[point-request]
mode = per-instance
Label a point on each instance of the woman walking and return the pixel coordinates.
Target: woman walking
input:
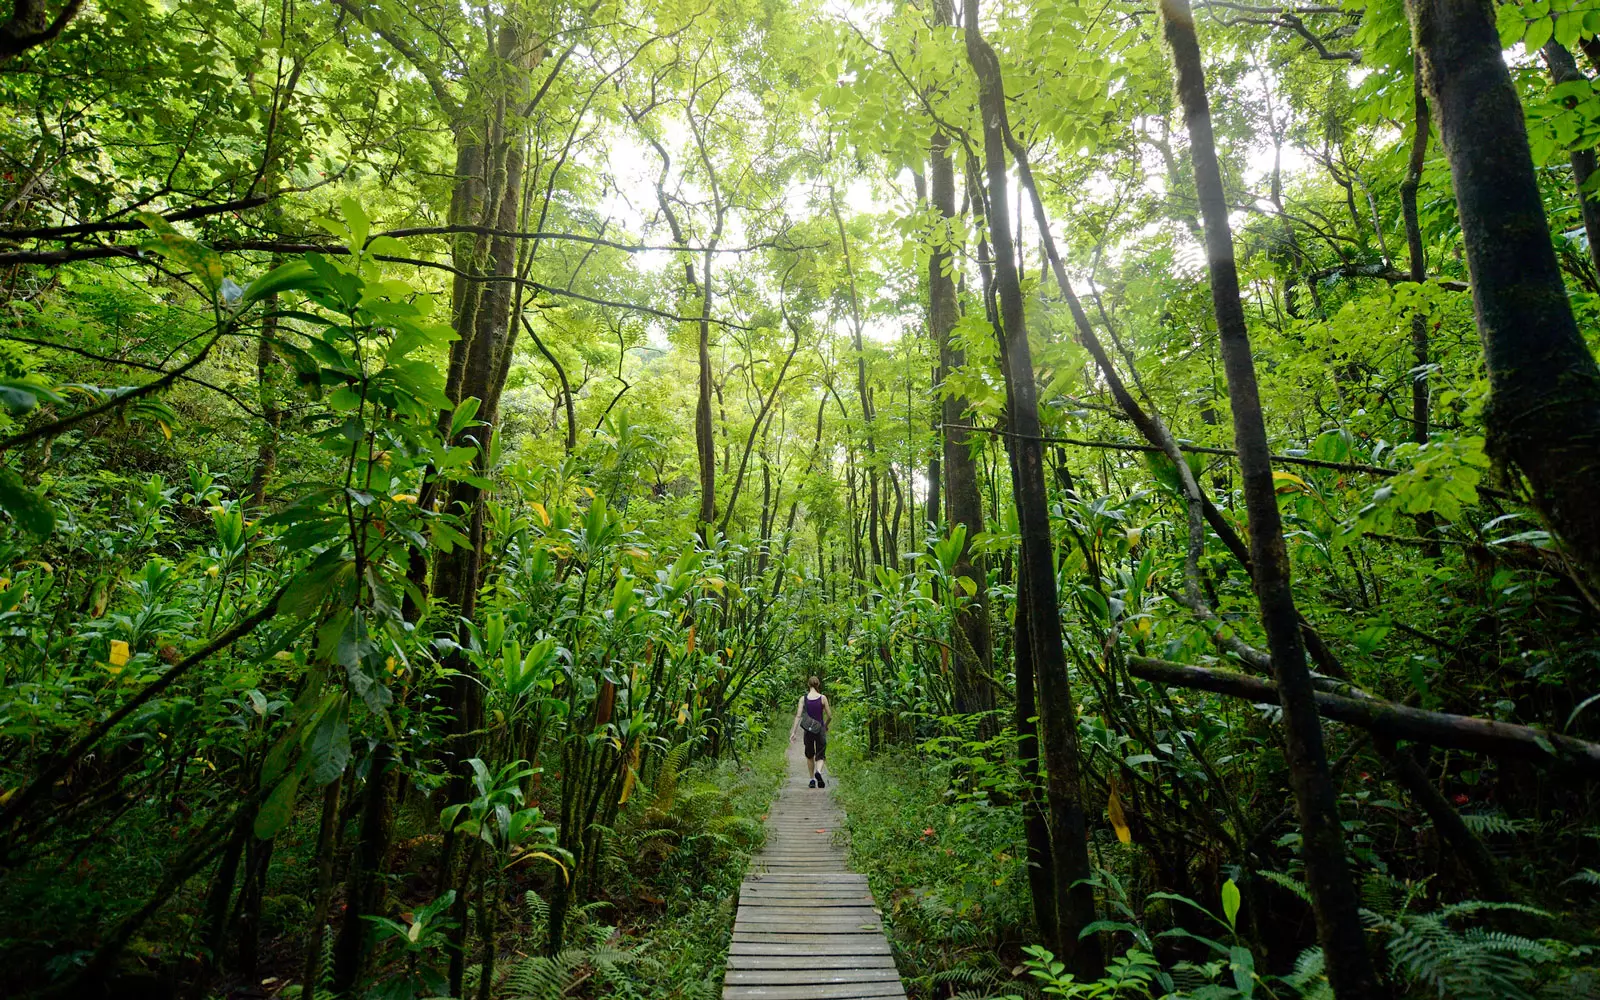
(813, 715)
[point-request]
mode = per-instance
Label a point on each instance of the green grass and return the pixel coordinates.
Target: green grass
(947, 867)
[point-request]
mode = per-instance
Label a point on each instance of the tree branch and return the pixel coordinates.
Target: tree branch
(1390, 719)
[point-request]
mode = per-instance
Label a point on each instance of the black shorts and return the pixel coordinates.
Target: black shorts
(816, 745)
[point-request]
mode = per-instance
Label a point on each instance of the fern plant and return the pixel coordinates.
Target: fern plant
(1470, 963)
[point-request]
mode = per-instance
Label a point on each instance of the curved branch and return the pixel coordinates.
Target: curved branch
(65, 424)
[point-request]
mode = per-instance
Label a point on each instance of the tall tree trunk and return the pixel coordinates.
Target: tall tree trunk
(1564, 69)
(1543, 416)
(704, 438)
(1057, 713)
(271, 409)
(862, 388)
(932, 513)
(1334, 900)
(1041, 867)
(364, 889)
(974, 655)
(1418, 259)
(493, 186)
(327, 834)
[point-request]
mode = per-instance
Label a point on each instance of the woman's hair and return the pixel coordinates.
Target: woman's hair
(815, 682)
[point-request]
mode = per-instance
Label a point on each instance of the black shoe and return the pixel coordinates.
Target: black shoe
(820, 782)
(813, 783)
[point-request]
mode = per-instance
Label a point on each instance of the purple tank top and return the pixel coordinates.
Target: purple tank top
(814, 707)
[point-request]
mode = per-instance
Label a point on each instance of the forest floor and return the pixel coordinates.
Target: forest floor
(944, 867)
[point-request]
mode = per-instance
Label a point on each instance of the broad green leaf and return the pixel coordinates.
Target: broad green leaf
(1538, 33)
(200, 260)
(329, 748)
(278, 809)
(1230, 902)
(296, 275)
(30, 511)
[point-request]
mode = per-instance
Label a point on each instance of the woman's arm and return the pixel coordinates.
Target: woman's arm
(794, 727)
(827, 713)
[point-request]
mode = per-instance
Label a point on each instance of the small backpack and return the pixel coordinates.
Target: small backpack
(810, 723)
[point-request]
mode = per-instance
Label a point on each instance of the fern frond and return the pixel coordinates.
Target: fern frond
(965, 976)
(1588, 877)
(1289, 882)
(544, 977)
(1494, 823)
(1474, 964)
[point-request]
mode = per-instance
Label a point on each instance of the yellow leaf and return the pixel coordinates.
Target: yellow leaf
(404, 498)
(689, 647)
(633, 774)
(119, 653)
(1288, 482)
(165, 430)
(544, 515)
(1119, 822)
(683, 714)
(525, 855)
(1134, 534)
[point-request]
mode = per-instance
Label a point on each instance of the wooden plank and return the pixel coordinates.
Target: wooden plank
(810, 960)
(809, 916)
(774, 890)
(813, 878)
(820, 940)
(802, 977)
(854, 947)
(782, 925)
(749, 901)
(836, 991)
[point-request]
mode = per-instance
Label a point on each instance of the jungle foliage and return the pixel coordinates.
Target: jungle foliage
(437, 440)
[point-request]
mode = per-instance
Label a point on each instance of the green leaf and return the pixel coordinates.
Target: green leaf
(1538, 33)
(356, 217)
(29, 510)
(1230, 902)
(329, 747)
(1510, 24)
(461, 419)
(1243, 964)
(387, 246)
(1568, 27)
(201, 261)
(278, 758)
(19, 395)
(296, 275)
(278, 809)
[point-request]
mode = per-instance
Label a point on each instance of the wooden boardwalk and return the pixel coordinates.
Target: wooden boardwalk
(807, 926)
